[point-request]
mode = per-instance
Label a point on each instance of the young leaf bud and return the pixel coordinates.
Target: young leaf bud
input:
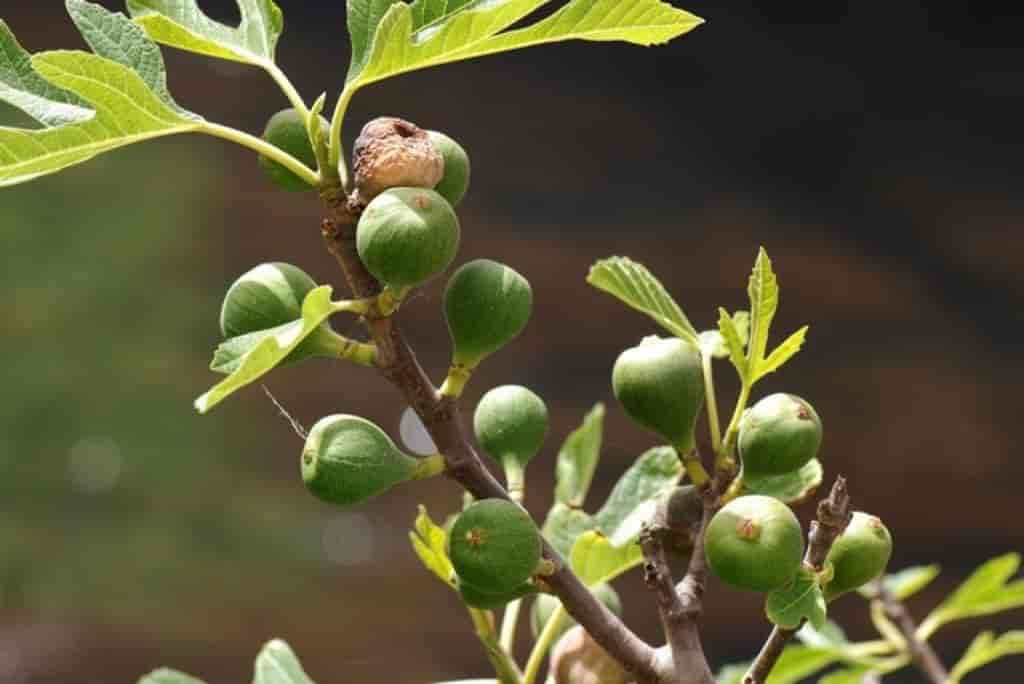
(754, 542)
(391, 153)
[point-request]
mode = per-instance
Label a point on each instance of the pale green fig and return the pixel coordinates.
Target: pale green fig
(455, 182)
(859, 555)
(755, 543)
(660, 384)
(487, 305)
(494, 546)
(510, 423)
(545, 604)
(578, 659)
(778, 435)
(407, 235)
(287, 130)
(348, 459)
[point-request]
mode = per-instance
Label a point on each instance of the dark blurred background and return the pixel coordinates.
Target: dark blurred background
(874, 150)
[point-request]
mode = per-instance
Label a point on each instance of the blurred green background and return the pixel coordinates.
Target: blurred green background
(882, 179)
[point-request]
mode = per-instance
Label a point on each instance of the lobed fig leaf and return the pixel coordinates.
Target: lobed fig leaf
(859, 555)
(487, 305)
(494, 545)
(660, 384)
(348, 459)
(755, 543)
(287, 130)
(779, 434)
(511, 423)
(407, 235)
(455, 181)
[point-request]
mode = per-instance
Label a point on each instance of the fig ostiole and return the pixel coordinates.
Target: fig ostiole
(407, 235)
(859, 555)
(455, 181)
(510, 423)
(486, 305)
(544, 606)
(391, 153)
(287, 131)
(494, 546)
(660, 384)
(347, 459)
(755, 543)
(779, 434)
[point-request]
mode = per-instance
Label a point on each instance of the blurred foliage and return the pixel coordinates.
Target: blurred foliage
(118, 501)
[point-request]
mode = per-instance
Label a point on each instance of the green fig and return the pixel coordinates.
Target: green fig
(407, 235)
(779, 435)
(510, 423)
(545, 604)
(859, 555)
(348, 459)
(578, 659)
(660, 384)
(287, 130)
(754, 542)
(494, 545)
(487, 305)
(477, 598)
(455, 182)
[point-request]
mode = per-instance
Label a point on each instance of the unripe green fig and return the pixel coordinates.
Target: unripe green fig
(264, 297)
(288, 131)
(578, 659)
(510, 423)
(455, 182)
(660, 384)
(859, 555)
(487, 305)
(545, 604)
(494, 546)
(407, 235)
(477, 598)
(348, 459)
(391, 153)
(754, 542)
(778, 435)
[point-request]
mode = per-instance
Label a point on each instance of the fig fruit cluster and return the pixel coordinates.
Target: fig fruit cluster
(287, 131)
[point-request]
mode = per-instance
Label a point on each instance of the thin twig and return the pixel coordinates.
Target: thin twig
(442, 419)
(921, 652)
(296, 425)
(833, 516)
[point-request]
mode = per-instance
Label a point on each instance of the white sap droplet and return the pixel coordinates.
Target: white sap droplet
(348, 539)
(94, 465)
(414, 434)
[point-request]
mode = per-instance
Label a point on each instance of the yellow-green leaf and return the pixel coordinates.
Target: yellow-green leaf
(429, 543)
(595, 560)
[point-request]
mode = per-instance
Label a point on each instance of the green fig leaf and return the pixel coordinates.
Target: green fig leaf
(595, 560)
(783, 353)
(270, 352)
(166, 676)
(406, 38)
(277, 664)
(22, 87)
(907, 582)
(564, 525)
(181, 24)
(114, 36)
(730, 332)
(126, 111)
(231, 352)
(577, 459)
(987, 591)
(854, 676)
(986, 648)
(795, 665)
(763, 290)
(429, 542)
(791, 488)
(634, 285)
(801, 599)
(827, 635)
(634, 497)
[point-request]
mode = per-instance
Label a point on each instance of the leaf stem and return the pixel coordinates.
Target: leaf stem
(262, 147)
(712, 404)
(504, 666)
(509, 622)
(544, 641)
(734, 423)
(289, 90)
(337, 155)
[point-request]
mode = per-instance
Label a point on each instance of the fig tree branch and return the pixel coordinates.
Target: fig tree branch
(921, 652)
(833, 516)
(440, 415)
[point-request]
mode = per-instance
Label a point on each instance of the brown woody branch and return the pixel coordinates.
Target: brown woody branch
(398, 364)
(833, 516)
